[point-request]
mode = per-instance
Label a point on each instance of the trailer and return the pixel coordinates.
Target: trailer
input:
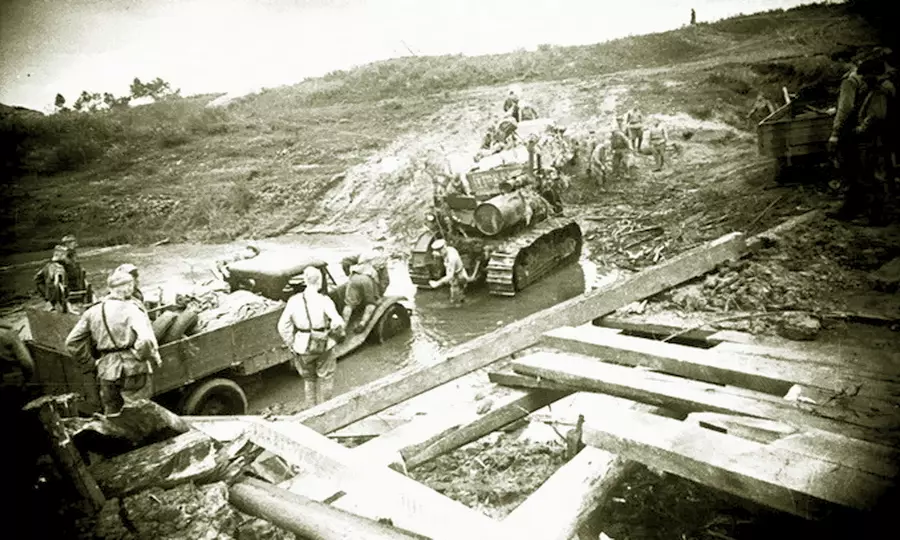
(200, 374)
(795, 136)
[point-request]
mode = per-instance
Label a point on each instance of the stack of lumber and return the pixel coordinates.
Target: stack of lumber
(813, 431)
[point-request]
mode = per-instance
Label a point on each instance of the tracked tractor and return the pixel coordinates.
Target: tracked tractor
(506, 222)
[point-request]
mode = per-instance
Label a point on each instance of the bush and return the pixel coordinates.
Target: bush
(69, 141)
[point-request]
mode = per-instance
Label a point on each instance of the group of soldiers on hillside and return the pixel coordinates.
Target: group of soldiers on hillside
(612, 159)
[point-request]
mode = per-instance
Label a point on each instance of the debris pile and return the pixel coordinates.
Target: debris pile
(185, 512)
(492, 476)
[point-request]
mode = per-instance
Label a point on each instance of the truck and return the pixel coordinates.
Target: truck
(201, 374)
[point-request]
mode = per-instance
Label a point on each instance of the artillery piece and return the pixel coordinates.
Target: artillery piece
(506, 223)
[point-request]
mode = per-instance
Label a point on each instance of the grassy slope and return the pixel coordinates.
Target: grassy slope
(178, 170)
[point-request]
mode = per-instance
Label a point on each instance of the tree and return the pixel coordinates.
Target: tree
(60, 103)
(88, 102)
(112, 101)
(156, 89)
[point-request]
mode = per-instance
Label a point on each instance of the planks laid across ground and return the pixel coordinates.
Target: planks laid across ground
(833, 449)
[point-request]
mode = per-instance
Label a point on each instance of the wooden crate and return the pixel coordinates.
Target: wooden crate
(792, 131)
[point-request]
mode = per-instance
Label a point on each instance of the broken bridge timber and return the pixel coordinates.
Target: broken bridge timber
(810, 430)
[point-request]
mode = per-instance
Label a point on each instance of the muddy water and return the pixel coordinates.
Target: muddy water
(436, 325)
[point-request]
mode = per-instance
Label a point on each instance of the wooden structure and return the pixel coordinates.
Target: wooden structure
(792, 131)
(811, 431)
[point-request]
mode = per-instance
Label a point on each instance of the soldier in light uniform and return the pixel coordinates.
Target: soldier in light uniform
(455, 272)
(306, 318)
(659, 138)
(120, 335)
(635, 123)
(621, 148)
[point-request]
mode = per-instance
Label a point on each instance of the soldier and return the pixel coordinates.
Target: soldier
(120, 335)
(598, 165)
(16, 367)
(132, 270)
(455, 273)
(659, 138)
(308, 326)
(634, 119)
(250, 251)
(857, 139)
(527, 112)
(20, 453)
(621, 147)
(511, 104)
(362, 291)
(762, 107)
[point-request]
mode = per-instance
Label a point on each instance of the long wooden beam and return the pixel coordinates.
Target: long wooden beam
(585, 373)
(755, 372)
(578, 487)
(306, 518)
(824, 445)
(387, 494)
(778, 478)
(475, 354)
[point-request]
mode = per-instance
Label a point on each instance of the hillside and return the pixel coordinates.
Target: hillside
(347, 150)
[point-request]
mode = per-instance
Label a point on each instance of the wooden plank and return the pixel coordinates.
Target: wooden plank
(578, 487)
(508, 377)
(775, 477)
(647, 327)
(835, 448)
(306, 518)
(475, 354)
(762, 430)
(388, 494)
(588, 374)
(768, 236)
(470, 425)
(64, 452)
(865, 456)
(165, 464)
(429, 436)
(870, 363)
(749, 371)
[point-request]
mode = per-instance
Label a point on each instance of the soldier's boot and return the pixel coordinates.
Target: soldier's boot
(325, 389)
(309, 393)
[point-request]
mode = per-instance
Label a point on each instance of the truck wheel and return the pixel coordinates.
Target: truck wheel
(183, 324)
(162, 324)
(215, 397)
(394, 321)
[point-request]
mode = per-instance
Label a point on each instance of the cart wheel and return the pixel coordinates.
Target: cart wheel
(394, 321)
(215, 397)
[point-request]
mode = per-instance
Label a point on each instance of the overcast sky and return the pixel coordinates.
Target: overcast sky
(66, 46)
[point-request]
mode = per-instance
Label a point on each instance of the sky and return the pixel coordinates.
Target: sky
(66, 46)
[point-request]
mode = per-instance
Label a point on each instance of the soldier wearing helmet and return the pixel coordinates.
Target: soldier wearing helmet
(132, 271)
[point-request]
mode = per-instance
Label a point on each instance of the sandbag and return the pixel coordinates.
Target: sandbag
(162, 324)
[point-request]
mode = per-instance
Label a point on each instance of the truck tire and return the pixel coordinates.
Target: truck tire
(394, 320)
(162, 324)
(183, 324)
(215, 397)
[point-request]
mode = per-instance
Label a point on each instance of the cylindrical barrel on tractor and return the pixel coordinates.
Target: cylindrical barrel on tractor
(504, 212)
